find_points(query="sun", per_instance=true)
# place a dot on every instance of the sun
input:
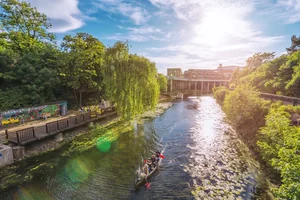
(216, 28)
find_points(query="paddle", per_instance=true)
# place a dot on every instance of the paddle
(147, 184)
(160, 155)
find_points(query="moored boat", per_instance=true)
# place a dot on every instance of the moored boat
(179, 96)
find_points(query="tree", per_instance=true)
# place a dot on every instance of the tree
(279, 145)
(131, 81)
(292, 71)
(23, 26)
(162, 82)
(295, 44)
(82, 62)
(258, 59)
(246, 110)
(28, 57)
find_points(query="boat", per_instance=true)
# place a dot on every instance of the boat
(179, 96)
(139, 183)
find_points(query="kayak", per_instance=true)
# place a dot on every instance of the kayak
(139, 182)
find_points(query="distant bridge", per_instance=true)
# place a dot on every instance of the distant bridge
(197, 86)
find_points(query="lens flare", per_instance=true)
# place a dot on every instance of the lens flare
(103, 144)
(77, 171)
(30, 194)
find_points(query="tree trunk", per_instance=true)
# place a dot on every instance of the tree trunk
(74, 90)
(80, 97)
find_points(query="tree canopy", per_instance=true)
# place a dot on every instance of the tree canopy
(34, 70)
(295, 46)
(268, 128)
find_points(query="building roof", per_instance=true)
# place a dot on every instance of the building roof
(230, 67)
(174, 68)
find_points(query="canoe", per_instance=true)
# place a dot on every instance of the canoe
(139, 183)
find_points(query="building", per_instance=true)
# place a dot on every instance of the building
(227, 71)
(221, 73)
(175, 72)
(203, 74)
(202, 80)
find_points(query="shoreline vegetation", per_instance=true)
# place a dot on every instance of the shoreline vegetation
(82, 139)
(270, 130)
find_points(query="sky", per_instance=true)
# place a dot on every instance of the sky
(187, 34)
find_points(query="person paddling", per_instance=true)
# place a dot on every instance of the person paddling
(149, 165)
(157, 156)
(153, 160)
(145, 171)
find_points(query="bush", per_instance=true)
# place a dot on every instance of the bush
(280, 148)
(220, 93)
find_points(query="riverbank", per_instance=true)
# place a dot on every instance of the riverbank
(263, 190)
(160, 108)
(247, 128)
(76, 141)
(52, 143)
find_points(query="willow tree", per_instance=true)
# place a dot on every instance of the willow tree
(130, 81)
(162, 82)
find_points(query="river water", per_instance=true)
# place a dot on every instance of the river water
(202, 161)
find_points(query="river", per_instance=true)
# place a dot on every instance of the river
(202, 161)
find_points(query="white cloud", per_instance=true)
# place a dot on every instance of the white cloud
(137, 14)
(138, 34)
(136, 38)
(144, 30)
(217, 31)
(64, 15)
(289, 10)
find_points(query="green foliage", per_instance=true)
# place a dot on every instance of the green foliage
(82, 62)
(295, 44)
(99, 136)
(162, 82)
(277, 76)
(258, 59)
(23, 26)
(83, 71)
(279, 145)
(220, 93)
(293, 64)
(247, 105)
(130, 81)
(246, 111)
(11, 98)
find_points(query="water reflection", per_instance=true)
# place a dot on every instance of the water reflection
(201, 162)
(217, 170)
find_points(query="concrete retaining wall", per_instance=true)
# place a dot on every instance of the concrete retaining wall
(6, 155)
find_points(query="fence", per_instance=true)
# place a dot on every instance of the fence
(25, 136)
(273, 97)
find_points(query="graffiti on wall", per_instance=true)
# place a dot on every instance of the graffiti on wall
(51, 110)
(27, 114)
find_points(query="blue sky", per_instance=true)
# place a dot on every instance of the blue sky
(181, 33)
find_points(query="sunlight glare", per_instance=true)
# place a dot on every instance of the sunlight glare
(216, 28)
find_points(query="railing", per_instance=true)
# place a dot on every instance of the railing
(62, 124)
(295, 101)
(25, 135)
(51, 127)
(34, 133)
